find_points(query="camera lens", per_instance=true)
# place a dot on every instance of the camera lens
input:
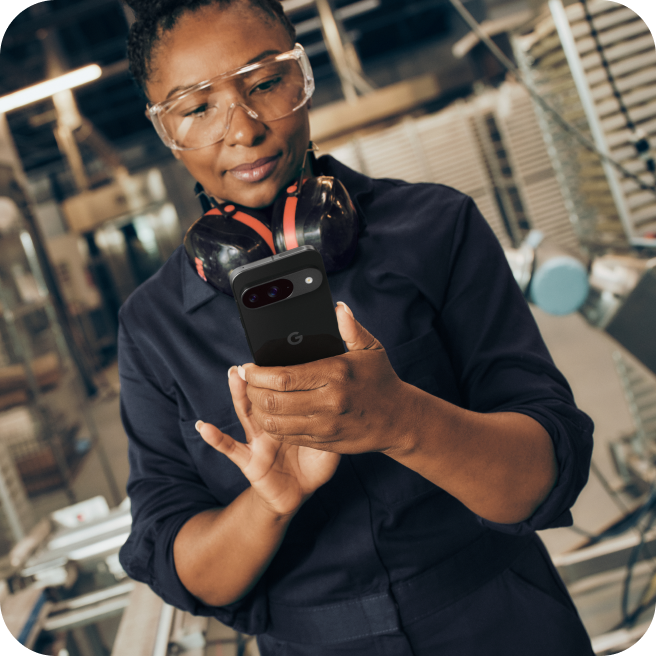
(253, 298)
(273, 291)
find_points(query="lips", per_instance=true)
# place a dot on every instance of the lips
(255, 171)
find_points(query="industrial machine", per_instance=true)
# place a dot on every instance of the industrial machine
(66, 592)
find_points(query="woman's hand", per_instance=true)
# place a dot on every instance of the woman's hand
(283, 475)
(351, 403)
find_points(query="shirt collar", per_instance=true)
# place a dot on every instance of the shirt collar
(196, 292)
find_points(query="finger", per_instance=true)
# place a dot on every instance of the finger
(300, 377)
(242, 403)
(355, 336)
(239, 453)
(306, 402)
(315, 428)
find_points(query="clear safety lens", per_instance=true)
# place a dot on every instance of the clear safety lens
(268, 91)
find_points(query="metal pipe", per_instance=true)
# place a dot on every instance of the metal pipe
(19, 555)
(68, 120)
(10, 511)
(105, 464)
(611, 554)
(88, 615)
(163, 631)
(139, 625)
(335, 47)
(93, 597)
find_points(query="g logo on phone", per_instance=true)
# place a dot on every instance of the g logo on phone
(295, 338)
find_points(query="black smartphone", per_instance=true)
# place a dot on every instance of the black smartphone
(286, 308)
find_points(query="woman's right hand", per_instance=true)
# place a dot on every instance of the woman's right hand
(282, 475)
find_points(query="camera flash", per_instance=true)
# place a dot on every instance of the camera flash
(308, 280)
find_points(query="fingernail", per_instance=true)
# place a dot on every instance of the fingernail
(198, 425)
(347, 309)
(241, 372)
(231, 369)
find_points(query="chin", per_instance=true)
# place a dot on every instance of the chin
(258, 198)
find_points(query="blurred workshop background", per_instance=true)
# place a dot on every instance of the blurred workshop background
(544, 111)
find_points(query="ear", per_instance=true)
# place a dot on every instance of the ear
(176, 153)
(309, 103)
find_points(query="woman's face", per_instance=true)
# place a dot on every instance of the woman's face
(207, 43)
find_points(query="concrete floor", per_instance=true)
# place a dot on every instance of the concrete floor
(582, 353)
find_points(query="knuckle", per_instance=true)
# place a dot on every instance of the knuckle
(342, 371)
(339, 402)
(284, 381)
(270, 424)
(330, 428)
(269, 402)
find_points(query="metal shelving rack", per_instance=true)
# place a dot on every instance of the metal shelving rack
(43, 401)
(16, 516)
(31, 338)
(559, 58)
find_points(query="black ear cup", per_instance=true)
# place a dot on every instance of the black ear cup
(219, 242)
(228, 236)
(321, 215)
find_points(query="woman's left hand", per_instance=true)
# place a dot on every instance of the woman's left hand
(351, 403)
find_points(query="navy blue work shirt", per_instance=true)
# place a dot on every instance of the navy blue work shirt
(431, 282)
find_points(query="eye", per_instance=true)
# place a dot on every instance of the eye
(267, 85)
(196, 111)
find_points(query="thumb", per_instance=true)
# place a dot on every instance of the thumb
(242, 403)
(356, 337)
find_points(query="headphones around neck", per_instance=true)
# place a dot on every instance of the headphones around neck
(315, 211)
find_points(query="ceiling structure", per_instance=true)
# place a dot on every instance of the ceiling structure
(395, 39)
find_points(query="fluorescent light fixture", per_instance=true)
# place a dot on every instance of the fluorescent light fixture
(344, 13)
(49, 88)
(290, 6)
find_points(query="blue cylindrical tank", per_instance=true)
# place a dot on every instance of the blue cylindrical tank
(559, 285)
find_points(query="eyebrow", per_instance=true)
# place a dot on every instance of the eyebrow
(260, 57)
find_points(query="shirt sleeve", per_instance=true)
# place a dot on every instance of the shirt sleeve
(503, 364)
(165, 491)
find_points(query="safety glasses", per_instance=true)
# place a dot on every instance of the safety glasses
(267, 91)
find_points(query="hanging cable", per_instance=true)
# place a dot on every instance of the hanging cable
(647, 598)
(615, 497)
(630, 617)
(563, 123)
(639, 138)
(646, 514)
(580, 531)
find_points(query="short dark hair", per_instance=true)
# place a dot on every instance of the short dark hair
(155, 17)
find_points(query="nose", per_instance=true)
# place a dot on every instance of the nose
(244, 127)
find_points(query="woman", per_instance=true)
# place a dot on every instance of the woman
(379, 502)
